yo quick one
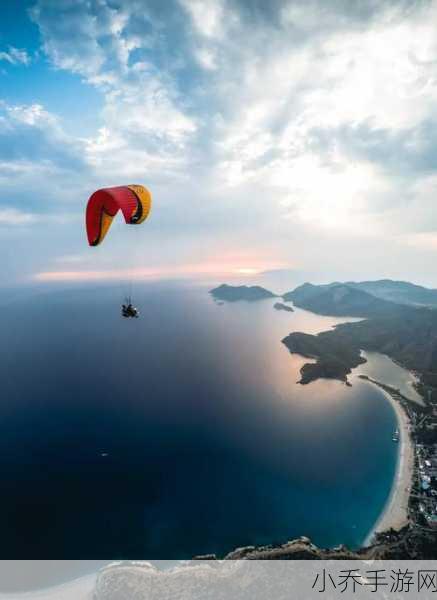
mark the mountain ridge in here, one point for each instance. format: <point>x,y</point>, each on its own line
<point>341,299</point>
<point>398,292</point>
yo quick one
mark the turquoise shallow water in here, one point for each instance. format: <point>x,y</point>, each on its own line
<point>210,443</point>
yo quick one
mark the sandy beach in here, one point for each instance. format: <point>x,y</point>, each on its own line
<point>395,513</point>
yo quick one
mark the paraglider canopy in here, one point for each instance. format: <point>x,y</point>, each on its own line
<point>134,201</point>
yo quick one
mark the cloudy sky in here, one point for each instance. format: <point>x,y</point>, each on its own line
<point>282,135</point>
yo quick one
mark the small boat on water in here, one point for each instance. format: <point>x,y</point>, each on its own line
<point>395,436</point>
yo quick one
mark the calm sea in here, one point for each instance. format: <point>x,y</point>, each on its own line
<point>180,433</point>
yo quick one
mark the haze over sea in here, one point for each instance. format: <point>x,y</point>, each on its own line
<point>180,433</point>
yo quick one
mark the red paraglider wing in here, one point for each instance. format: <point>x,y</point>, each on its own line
<point>102,207</point>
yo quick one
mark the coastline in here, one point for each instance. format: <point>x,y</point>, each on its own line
<point>395,513</point>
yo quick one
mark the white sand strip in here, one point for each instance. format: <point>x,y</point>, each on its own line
<point>395,513</point>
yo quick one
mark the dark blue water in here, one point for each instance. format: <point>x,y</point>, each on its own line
<point>210,443</point>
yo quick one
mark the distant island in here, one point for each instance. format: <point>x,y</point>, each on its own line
<point>405,332</point>
<point>233,293</point>
<point>281,306</point>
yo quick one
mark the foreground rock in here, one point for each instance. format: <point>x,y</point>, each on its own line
<point>407,543</point>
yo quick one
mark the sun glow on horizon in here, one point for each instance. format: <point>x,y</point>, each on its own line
<point>196,270</point>
<point>247,271</point>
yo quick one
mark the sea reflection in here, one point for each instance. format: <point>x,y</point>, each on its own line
<point>183,432</point>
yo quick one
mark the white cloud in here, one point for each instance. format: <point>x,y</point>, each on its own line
<point>284,106</point>
<point>41,168</point>
<point>15,56</point>
<point>208,16</point>
<point>33,115</point>
<point>12,216</point>
<point>251,120</point>
<point>267,97</point>
<point>207,58</point>
<point>145,128</point>
<point>33,138</point>
<point>383,75</point>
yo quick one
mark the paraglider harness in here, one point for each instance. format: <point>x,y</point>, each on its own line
<point>129,311</point>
